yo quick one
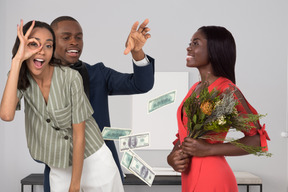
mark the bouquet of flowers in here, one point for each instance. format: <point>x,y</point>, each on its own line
<point>214,112</point>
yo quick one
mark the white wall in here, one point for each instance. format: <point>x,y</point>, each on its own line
<point>259,27</point>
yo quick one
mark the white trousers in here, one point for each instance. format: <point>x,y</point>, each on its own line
<point>99,174</point>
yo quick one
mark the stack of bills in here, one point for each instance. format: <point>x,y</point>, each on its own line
<point>128,142</point>
<point>130,160</point>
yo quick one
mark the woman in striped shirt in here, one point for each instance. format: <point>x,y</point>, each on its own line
<point>60,129</point>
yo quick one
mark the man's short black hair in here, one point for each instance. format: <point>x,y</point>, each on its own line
<point>61,18</point>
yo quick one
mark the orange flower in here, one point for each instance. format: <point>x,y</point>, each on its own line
<point>206,107</point>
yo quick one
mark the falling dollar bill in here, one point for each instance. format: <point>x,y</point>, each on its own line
<point>133,163</point>
<point>134,141</point>
<point>142,170</point>
<point>161,101</point>
<point>126,159</point>
<point>111,133</point>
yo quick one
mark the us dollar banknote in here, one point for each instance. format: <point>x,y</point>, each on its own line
<point>142,170</point>
<point>126,159</point>
<point>134,141</point>
<point>112,133</point>
<point>133,163</point>
<point>161,101</point>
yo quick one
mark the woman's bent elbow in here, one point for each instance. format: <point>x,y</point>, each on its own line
<point>6,117</point>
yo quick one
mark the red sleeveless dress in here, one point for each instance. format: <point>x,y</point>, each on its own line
<point>212,173</point>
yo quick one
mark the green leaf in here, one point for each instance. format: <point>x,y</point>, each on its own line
<point>198,126</point>
<point>202,116</point>
<point>194,118</point>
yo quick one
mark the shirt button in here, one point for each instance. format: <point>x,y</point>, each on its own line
<point>57,128</point>
<point>48,120</point>
<point>66,137</point>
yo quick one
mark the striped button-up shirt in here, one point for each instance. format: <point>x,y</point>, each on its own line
<point>49,126</point>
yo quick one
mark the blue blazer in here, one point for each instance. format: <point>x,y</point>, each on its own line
<point>104,81</point>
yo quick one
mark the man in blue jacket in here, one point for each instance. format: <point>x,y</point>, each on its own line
<point>100,81</point>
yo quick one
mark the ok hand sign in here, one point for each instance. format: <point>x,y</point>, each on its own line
<point>27,47</point>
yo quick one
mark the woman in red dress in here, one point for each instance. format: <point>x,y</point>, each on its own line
<point>212,51</point>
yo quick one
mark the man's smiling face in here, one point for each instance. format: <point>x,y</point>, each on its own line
<point>69,41</point>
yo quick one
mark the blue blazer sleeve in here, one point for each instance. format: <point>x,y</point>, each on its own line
<point>104,81</point>
<point>141,81</point>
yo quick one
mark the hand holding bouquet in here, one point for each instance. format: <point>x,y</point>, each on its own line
<point>213,111</point>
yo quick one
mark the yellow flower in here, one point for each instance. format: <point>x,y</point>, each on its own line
<point>217,103</point>
<point>235,112</point>
<point>221,120</point>
<point>206,107</point>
